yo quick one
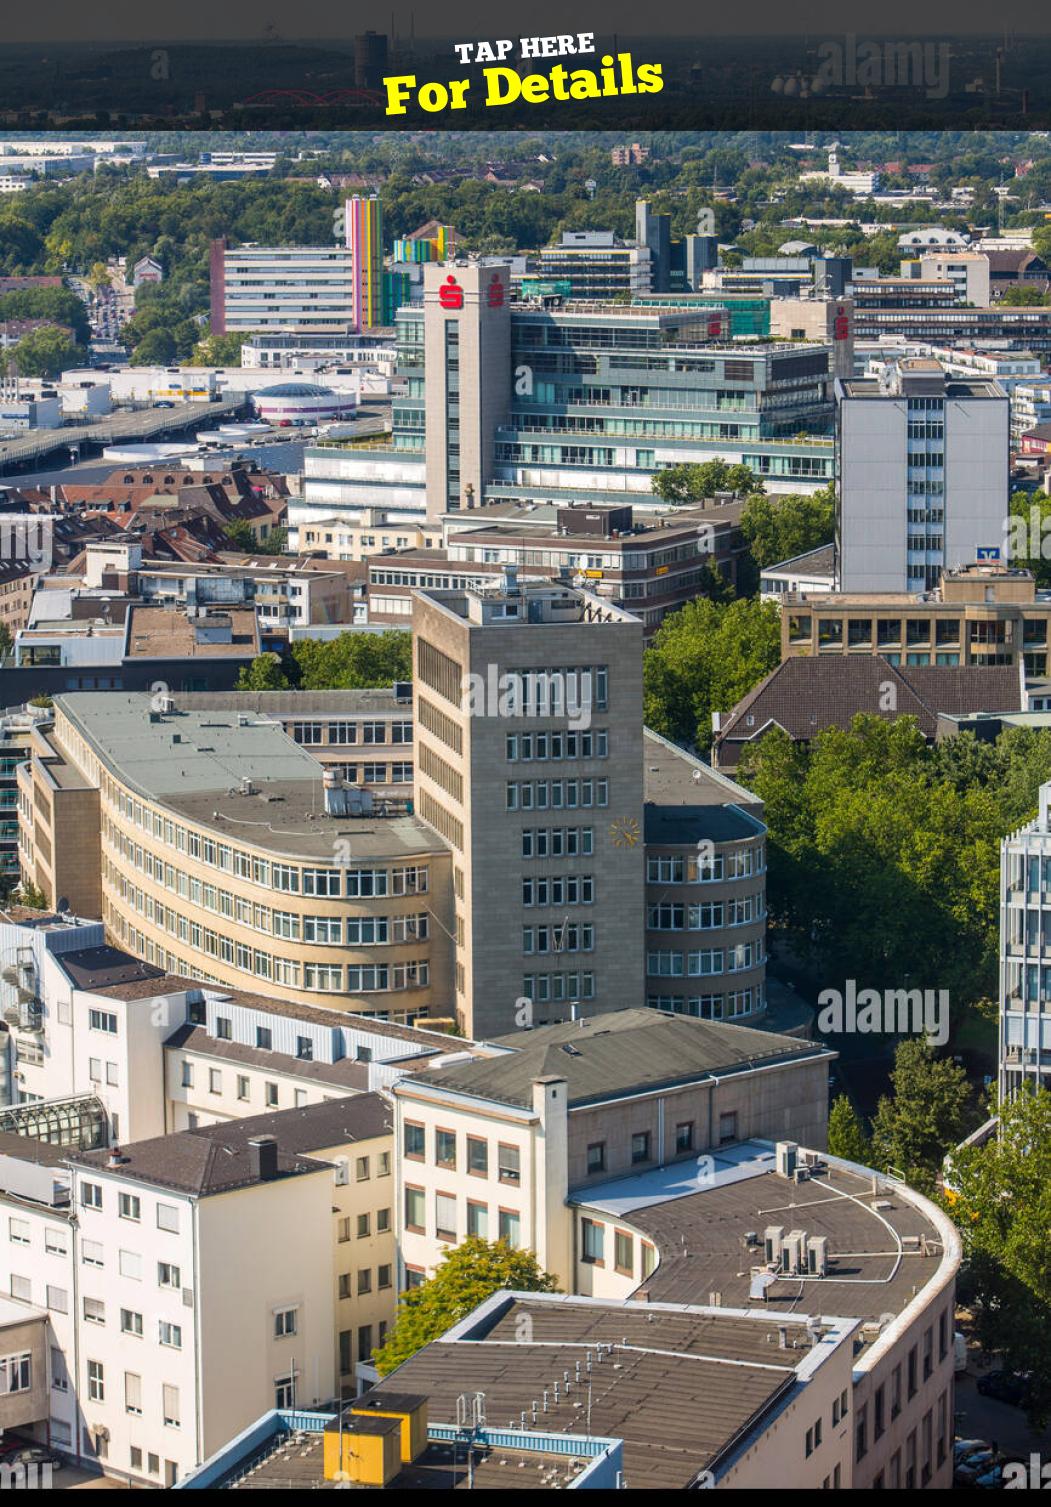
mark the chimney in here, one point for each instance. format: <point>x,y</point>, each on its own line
<point>262,1157</point>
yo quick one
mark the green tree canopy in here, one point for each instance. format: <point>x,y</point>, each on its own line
<point>778,528</point>
<point>999,1194</point>
<point>846,1134</point>
<point>353,660</point>
<point>691,482</point>
<point>46,351</point>
<point>263,674</point>
<point>925,1117</point>
<point>703,659</point>
<point>467,1274</point>
<point>884,851</point>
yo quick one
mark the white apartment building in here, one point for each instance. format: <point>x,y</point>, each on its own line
<point>923,468</point>
<point>163,1341</point>
<point>264,289</point>
<point>181,1341</point>
<point>155,1053</point>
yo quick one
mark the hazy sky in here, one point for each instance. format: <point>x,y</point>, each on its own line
<point>248,19</point>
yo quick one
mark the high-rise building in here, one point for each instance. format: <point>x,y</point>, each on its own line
<point>1025,923</point>
<point>467,351</point>
<point>363,229</point>
<point>923,476</point>
<point>529,762</point>
<point>576,402</point>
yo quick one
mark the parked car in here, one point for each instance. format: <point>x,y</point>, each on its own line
<point>34,1454</point>
<point>1005,1386</point>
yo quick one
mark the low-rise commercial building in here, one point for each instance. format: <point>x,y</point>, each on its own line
<point>494,1146</point>
<point>981,614</point>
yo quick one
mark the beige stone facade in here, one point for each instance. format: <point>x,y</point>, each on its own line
<point>542,812</point>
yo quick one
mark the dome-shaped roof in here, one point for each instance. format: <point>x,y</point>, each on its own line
<point>296,390</point>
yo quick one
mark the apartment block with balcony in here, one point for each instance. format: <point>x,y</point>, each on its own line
<point>269,289</point>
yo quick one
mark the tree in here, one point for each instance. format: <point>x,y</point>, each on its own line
<point>239,532</point>
<point>6,641</point>
<point>999,1195</point>
<point>692,482</point>
<point>913,1131</point>
<point>846,1135</point>
<point>30,896</point>
<point>353,660</point>
<point>884,852</point>
<point>276,543</point>
<point>219,350</point>
<point>1023,296</point>
<point>263,674</point>
<point>467,1274</point>
<point>46,351</point>
<point>780,528</point>
<point>703,659</point>
<point>155,349</point>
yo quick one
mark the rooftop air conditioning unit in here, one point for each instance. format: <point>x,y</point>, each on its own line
<point>786,1152</point>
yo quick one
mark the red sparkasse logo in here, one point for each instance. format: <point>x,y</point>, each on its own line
<point>496,292</point>
<point>450,294</point>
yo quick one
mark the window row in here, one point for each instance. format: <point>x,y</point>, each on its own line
<point>573,889</point>
<point>526,747</point>
<point>290,878</point>
<point>570,936</point>
<point>312,733</point>
<point>704,961</point>
<point>448,1224</point>
<point>558,842</point>
<point>706,868</point>
<point>129,1206</point>
<point>675,915</point>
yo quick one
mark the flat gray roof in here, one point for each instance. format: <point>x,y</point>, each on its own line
<point>192,761</point>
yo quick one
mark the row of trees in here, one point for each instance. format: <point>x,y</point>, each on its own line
<point>351,661</point>
<point>997,1191</point>
<point>884,850</point>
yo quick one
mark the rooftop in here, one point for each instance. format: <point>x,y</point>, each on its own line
<point>217,1158</point>
<point>345,703</point>
<point>678,1387</point>
<point>807,693</point>
<point>194,762</point>
<point>884,1242</point>
<point>163,633</point>
<point>687,800</point>
<point>607,1056</point>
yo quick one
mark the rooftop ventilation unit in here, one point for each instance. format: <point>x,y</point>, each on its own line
<point>786,1155</point>
<point>817,1255</point>
<point>773,1237</point>
<point>793,1253</point>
